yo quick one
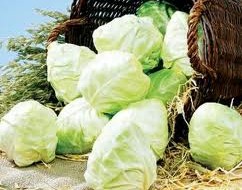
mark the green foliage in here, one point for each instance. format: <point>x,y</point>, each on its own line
<point>160,12</point>
<point>26,77</point>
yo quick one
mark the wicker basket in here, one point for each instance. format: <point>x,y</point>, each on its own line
<point>221,62</point>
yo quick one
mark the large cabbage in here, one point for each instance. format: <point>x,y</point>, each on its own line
<point>112,81</point>
<point>159,12</point>
<point>155,128</point>
<point>174,48</point>
<point>165,84</point>
<point>131,34</point>
<point>121,159</point>
<point>215,136</point>
<point>28,133</point>
<point>78,127</point>
<point>65,63</point>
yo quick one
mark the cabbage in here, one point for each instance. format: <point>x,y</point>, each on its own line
<point>28,133</point>
<point>121,159</point>
<point>159,12</point>
<point>112,81</point>
<point>165,84</point>
<point>155,128</point>
<point>174,48</point>
<point>215,136</point>
<point>78,127</point>
<point>65,63</point>
<point>131,34</point>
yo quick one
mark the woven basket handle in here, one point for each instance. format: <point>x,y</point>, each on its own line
<point>192,36</point>
<point>64,27</point>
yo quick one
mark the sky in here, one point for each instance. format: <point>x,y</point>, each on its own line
<point>18,15</point>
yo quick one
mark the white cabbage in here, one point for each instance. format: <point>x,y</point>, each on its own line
<point>215,136</point>
<point>28,133</point>
<point>78,127</point>
<point>174,48</point>
<point>65,63</point>
<point>121,159</point>
<point>112,81</point>
<point>133,34</point>
<point>150,116</point>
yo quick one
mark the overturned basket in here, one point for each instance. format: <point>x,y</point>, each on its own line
<point>220,67</point>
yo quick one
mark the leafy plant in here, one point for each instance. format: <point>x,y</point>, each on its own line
<point>26,77</point>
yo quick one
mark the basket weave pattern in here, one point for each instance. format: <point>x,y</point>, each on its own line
<point>222,54</point>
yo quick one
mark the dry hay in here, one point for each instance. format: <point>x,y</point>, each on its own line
<point>76,158</point>
<point>176,107</point>
<point>239,108</point>
<point>178,171</point>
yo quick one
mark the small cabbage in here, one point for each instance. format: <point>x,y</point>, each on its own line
<point>131,34</point>
<point>174,48</point>
<point>155,128</point>
<point>121,159</point>
<point>159,12</point>
<point>112,81</point>
<point>215,136</point>
<point>65,63</point>
<point>28,133</point>
<point>78,127</point>
<point>165,84</point>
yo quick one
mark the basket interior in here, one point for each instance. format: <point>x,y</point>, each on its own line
<point>100,12</point>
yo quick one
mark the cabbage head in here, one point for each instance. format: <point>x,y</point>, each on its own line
<point>132,34</point>
<point>174,48</point>
<point>155,128</point>
<point>112,81</point>
<point>65,63</point>
<point>215,136</point>
<point>121,159</point>
<point>28,133</point>
<point>166,84</point>
<point>78,127</point>
<point>160,13</point>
